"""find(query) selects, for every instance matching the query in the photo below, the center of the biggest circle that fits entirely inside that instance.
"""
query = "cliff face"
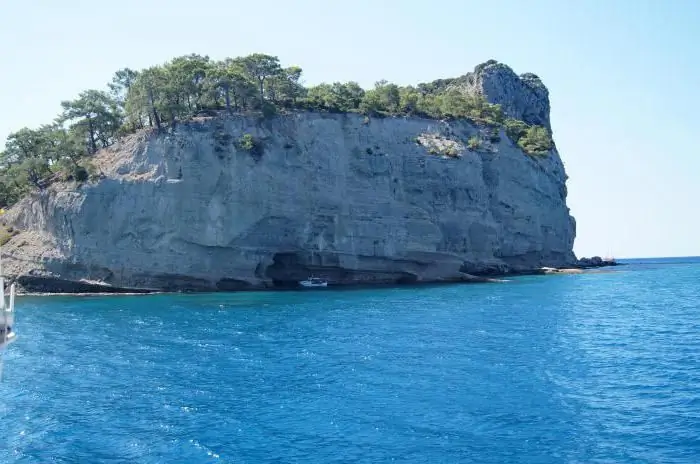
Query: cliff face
(344, 197)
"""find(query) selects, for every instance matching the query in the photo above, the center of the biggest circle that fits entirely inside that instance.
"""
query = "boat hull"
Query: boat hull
(311, 284)
(10, 338)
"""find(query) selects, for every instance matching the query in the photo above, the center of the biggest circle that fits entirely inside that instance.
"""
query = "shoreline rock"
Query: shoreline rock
(46, 284)
(596, 261)
(82, 288)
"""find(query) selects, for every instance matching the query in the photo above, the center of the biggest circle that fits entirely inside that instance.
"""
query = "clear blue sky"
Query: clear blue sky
(623, 75)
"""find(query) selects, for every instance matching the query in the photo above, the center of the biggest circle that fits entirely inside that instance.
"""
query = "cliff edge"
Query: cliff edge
(228, 202)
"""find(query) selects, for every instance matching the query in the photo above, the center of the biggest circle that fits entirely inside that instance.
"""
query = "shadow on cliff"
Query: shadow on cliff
(288, 268)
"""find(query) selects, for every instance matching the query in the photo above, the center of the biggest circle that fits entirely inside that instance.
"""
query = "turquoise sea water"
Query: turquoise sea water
(549, 369)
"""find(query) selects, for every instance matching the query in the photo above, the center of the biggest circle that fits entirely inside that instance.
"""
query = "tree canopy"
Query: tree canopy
(161, 96)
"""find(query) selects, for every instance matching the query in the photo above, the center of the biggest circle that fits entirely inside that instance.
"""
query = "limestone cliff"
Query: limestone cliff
(341, 196)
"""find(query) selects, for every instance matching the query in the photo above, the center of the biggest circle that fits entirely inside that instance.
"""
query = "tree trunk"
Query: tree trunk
(197, 100)
(271, 94)
(156, 118)
(33, 177)
(228, 99)
(153, 108)
(262, 100)
(91, 130)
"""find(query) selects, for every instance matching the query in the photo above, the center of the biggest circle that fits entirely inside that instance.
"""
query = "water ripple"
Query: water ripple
(578, 369)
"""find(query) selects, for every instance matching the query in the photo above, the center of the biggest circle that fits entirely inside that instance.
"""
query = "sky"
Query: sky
(623, 77)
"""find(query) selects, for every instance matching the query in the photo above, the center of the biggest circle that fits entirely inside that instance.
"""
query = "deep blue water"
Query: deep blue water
(549, 369)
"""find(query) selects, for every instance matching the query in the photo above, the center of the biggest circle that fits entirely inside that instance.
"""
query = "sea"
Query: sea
(591, 368)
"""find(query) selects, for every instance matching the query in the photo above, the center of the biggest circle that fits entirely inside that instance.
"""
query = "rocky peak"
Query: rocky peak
(522, 97)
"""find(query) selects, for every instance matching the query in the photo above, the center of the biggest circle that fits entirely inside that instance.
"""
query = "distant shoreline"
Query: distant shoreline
(661, 260)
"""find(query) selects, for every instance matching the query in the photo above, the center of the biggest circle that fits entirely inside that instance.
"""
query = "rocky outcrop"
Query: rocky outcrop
(241, 202)
(596, 261)
(581, 266)
(522, 97)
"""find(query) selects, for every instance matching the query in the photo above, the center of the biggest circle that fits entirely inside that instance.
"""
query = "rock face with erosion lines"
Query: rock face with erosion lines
(231, 202)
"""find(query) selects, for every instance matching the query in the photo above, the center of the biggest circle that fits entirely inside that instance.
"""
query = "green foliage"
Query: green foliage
(480, 67)
(285, 88)
(388, 96)
(6, 233)
(336, 97)
(95, 118)
(12, 187)
(81, 171)
(119, 88)
(409, 100)
(383, 100)
(371, 103)
(33, 156)
(536, 141)
(454, 104)
(187, 86)
(451, 152)
(80, 174)
(474, 142)
(250, 144)
(268, 110)
(515, 129)
(261, 67)
(533, 140)
(155, 97)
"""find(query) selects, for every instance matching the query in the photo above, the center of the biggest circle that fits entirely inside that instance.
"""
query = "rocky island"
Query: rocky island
(201, 175)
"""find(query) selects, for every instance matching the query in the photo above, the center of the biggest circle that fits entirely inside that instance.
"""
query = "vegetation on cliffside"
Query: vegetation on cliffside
(161, 96)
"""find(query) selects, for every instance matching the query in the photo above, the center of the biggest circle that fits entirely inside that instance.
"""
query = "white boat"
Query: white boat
(313, 282)
(7, 310)
(609, 258)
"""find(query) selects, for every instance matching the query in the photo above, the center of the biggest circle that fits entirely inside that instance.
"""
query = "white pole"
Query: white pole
(2, 284)
(5, 332)
(12, 297)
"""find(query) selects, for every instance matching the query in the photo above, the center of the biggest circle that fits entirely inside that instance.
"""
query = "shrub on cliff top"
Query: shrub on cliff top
(186, 86)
